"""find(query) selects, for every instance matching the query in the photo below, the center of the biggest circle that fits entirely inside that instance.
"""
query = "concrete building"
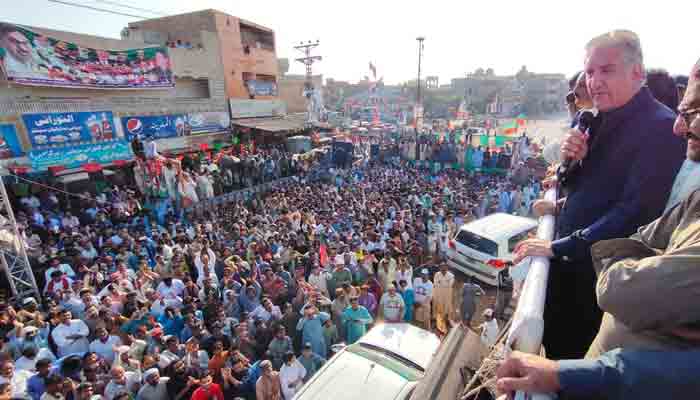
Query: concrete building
(241, 52)
(214, 58)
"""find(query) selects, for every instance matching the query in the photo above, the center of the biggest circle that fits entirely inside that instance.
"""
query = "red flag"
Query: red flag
(323, 255)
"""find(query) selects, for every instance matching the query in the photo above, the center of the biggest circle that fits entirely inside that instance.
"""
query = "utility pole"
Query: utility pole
(419, 104)
(309, 91)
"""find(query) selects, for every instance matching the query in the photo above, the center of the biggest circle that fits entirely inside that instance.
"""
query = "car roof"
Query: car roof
(500, 225)
(405, 340)
(350, 375)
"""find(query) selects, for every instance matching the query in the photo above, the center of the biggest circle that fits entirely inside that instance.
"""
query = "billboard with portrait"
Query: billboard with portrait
(30, 58)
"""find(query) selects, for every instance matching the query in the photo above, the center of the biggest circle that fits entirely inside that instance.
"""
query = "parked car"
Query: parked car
(385, 364)
(482, 248)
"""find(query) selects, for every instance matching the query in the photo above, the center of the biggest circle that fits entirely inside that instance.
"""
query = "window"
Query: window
(478, 243)
(512, 242)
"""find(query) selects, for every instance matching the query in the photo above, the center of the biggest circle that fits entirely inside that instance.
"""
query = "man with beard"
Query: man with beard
(181, 384)
(155, 387)
(688, 125)
(648, 283)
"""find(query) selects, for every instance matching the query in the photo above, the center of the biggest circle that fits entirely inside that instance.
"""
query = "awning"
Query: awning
(272, 124)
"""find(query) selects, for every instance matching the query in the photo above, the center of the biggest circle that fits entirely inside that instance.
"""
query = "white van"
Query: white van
(384, 364)
(482, 247)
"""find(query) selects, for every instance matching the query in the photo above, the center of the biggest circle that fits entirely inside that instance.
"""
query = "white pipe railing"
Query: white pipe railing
(527, 327)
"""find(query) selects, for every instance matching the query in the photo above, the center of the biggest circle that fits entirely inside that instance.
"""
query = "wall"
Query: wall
(291, 91)
(235, 62)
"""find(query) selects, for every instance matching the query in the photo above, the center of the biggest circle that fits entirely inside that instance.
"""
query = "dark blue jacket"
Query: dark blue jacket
(625, 179)
(633, 374)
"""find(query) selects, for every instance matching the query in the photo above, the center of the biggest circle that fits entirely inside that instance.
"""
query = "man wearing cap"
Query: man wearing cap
(172, 352)
(155, 387)
(489, 328)
(423, 289)
(311, 361)
(311, 326)
(59, 282)
(70, 335)
(355, 318)
(268, 386)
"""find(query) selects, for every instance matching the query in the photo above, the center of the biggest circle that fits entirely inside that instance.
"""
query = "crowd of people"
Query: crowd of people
(245, 300)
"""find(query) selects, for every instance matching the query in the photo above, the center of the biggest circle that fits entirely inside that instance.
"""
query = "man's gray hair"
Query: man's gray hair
(628, 41)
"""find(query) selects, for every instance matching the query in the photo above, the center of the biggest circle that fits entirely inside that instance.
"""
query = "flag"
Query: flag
(521, 119)
(323, 255)
(510, 128)
(373, 69)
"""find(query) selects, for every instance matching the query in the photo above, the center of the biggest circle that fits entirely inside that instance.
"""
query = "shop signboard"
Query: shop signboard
(66, 129)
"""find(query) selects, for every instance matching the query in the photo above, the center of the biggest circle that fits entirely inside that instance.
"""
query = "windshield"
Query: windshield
(393, 355)
(478, 243)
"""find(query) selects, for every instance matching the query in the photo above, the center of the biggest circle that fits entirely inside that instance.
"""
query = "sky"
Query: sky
(460, 36)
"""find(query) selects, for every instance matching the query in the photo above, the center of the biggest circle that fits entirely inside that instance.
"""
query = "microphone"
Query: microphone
(585, 120)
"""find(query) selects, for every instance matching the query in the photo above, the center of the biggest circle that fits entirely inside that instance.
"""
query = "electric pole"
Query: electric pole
(419, 105)
(309, 91)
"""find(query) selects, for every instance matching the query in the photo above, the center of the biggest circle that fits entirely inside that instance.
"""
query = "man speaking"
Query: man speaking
(620, 179)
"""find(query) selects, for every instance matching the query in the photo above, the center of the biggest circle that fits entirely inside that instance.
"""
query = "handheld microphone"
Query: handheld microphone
(585, 120)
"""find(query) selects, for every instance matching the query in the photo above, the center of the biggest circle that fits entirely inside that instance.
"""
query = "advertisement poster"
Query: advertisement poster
(209, 122)
(262, 88)
(29, 58)
(9, 144)
(73, 157)
(155, 126)
(69, 128)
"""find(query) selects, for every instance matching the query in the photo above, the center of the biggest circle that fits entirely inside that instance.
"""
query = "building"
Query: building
(178, 79)
(242, 53)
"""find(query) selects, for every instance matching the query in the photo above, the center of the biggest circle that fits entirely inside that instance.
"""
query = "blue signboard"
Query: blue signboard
(262, 88)
(73, 157)
(209, 122)
(9, 144)
(155, 126)
(69, 128)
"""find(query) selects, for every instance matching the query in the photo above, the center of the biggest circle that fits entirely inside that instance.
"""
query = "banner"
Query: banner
(209, 122)
(261, 88)
(155, 126)
(9, 144)
(244, 108)
(69, 128)
(73, 157)
(29, 58)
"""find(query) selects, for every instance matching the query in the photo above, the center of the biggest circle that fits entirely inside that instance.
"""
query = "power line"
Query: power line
(114, 3)
(80, 196)
(104, 10)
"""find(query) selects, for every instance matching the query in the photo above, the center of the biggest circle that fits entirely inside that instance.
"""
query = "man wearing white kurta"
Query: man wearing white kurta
(70, 335)
(443, 303)
(292, 376)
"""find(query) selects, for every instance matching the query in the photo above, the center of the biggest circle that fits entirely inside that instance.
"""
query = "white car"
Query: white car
(483, 247)
(385, 364)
